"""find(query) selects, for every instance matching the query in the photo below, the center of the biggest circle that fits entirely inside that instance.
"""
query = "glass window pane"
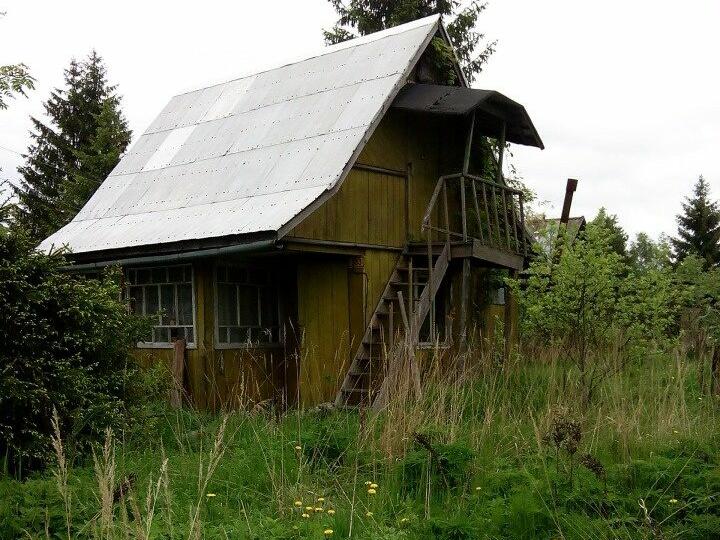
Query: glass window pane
(248, 299)
(257, 277)
(167, 304)
(190, 334)
(159, 275)
(143, 276)
(152, 305)
(161, 335)
(236, 274)
(175, 274)
(237, 335)
(135, 294)
(223, 335)
(269, 306)
(185, 307)
(227, 304)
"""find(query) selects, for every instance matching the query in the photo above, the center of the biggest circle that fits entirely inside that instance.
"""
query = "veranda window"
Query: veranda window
(248, 309)
(164, 293)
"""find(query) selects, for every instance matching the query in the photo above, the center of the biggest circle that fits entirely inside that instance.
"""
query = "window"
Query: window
(434, 329)
(497, 296)
(166, 294)
(247, 306)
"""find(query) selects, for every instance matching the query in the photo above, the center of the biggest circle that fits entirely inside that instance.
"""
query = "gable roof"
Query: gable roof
(249, 155)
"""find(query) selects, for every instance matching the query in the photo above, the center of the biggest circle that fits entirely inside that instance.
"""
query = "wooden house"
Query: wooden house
(286, 226)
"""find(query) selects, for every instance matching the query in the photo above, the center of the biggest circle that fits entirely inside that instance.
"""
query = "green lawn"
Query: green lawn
(506, 453)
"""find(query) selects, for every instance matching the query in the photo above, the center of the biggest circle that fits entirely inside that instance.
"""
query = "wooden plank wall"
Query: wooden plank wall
(219, 378)
(369, 208)
(323, 315)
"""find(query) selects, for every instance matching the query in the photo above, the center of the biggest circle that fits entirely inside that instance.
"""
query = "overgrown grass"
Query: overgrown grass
(501, 452)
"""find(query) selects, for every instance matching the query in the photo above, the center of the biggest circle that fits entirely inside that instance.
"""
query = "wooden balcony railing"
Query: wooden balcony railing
(464, 207)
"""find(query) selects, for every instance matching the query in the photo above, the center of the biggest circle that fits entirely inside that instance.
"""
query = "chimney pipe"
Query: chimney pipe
(569, 191)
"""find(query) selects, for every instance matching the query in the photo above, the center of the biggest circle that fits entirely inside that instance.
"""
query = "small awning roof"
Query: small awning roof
(491, 109)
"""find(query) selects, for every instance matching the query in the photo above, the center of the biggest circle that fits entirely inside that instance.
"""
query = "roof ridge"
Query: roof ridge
(329, 49)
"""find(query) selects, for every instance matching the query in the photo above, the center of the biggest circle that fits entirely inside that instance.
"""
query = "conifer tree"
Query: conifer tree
(74, 152)
(617, 235)
(699, 227)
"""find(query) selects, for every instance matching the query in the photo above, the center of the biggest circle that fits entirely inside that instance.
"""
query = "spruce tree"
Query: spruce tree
(367, 16)
(617, 235)
(74, 152)
(699, 227)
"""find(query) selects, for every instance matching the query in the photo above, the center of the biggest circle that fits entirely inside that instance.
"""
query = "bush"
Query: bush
(450, 465)
(65, 344)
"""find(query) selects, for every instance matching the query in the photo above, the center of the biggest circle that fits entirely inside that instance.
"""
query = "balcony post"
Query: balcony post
(468, 145)
(501, 153)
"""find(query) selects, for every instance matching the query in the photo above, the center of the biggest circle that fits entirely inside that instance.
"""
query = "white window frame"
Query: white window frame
(162, 344)
(280, 343)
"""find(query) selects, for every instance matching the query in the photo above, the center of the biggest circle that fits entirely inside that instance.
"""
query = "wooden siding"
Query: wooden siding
(219, 378)
(323, 315)
(369, 208)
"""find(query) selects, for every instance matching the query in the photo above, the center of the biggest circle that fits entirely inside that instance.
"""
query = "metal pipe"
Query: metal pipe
(175, 257)
(567, 203)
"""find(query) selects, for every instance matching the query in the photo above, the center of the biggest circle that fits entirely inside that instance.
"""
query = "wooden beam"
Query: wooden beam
(501, 153)
(464, 292)
(509, 319)
(380, 170)
(177, 371)
(468, 145)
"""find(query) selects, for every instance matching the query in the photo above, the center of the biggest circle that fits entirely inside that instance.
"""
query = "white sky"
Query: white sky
(625, 94)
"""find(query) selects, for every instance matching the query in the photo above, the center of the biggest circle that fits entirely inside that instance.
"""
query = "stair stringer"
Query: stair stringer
(339, 401)
(422, 308)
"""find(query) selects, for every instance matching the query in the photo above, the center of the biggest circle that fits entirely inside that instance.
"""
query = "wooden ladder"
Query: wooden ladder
(399, 314)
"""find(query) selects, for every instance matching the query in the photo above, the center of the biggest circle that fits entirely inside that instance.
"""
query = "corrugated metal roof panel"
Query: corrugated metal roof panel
(251, 154)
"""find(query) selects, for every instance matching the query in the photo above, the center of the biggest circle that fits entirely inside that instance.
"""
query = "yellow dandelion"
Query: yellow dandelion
(404, 520)
(321, 499)
(298, 447)
(478, 488)
(368, 514)
(309, 508)
(368, 482)
(328, 532)
(306, 516)
(318, 509)
(371, 491)
(331, 512)
(298, 503)
(673, 501)
(210, 495)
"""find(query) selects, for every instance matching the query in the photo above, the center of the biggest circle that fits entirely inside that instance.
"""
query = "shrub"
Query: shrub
(449, 465)
(64, 344)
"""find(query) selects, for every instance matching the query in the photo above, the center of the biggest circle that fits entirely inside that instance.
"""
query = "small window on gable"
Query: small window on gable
(164, 293)
(248, 308)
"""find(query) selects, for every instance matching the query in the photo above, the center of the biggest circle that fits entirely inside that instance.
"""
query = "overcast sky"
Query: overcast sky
(625, 94)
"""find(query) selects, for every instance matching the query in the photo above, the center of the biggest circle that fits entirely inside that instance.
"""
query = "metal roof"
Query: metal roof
(249, 155)
(491, 107)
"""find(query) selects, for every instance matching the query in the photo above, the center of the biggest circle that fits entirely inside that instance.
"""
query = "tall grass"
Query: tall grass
(470, 456)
